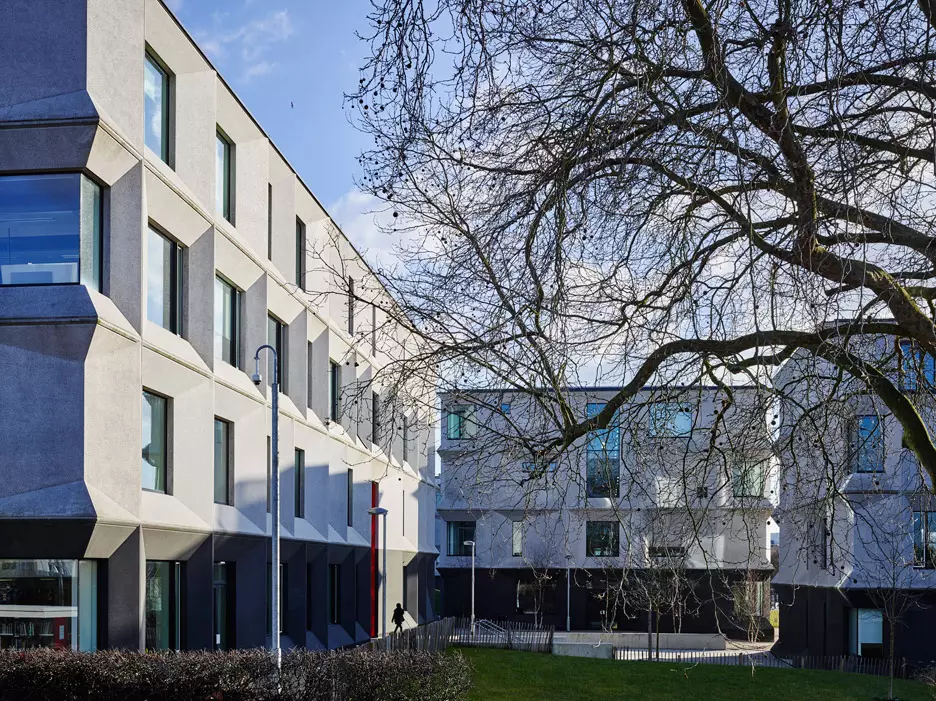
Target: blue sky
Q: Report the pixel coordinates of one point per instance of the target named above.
(304, 52)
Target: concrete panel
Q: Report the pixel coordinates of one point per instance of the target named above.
(46, 148)
(123, 601)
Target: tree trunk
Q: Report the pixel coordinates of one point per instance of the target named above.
(893, 634)
(650, 633)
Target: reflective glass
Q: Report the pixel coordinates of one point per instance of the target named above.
(156, 108)
(38, 604)
(154, 436)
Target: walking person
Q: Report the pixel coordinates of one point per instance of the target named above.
(397, 618)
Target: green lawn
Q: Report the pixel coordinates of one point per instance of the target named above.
(502, 675)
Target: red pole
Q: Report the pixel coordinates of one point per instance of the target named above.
(375, 498)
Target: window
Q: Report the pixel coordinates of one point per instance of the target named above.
(164, 282)
(51, 230)
(536, 598)
(48, 603)
(163, 611)
(405, 438)
(334, 390)
(222, 461)
(350, 306)
(916, 367)
(224, 176)
(300, 483)
(747, 479)
(223, 608)
(375, 417)
(671, 554)
(227, 322)
(269, 221)
(300, 254)
(505, 409)
(517, 538)
(669, 420)
(157, 108)
(459, 423)
(602, 539)
(457, 533)
(867, 444)
(276, 337)
(334, 594)
(532, 467)
(924, 539)
(602, 458)
(350, 497)
(155, 442)
(866, 632)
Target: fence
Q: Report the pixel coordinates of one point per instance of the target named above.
(431, 637)
(841, 663)
(509, 635)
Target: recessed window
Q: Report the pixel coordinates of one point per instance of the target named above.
(334, 390)
(155, 441)
(334, 593)
(747, 478)
(866, 632)
(916, 368)
(457, 534)
(602, 458)
(276, 337)
(222, 461)
(269, 221)
(300, 483)
(602, 539)
(227, 322)
(157, 108)
(924, 539)
(867, 444)
(405, 438)
(224, 176)
(505, 409)
(459, 423)
(164, 282)
(668, 420)
(517, 538)
(163, 610)
(350, 497)
(300, 254)
(375, 417)
(51, 230)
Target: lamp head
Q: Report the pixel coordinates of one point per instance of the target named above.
(256, 378)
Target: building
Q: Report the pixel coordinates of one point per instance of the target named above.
(857, 515)
(151, 239)
(666, 511)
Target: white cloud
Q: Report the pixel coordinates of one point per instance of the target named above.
(258, 69)
(249, 44)
(174, 5)
(361, 217)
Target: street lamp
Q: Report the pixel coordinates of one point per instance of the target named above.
(568, 592)
(472, 544)
(274, 502)
(380, 511)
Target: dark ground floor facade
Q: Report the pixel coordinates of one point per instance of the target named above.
(826, 621)
(81, 585)
(732, 603)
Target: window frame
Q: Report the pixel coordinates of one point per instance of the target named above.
(926, 529)
(167, 144)
(300, 254)
(229, 461)
(915, 363)
(334, 391)
(859, 448)
(612, 529)
(235, 320)
(279, 342)
(516, 538)
(176, 281)
(741, 472)
(466, 427)
(224, 185)
(334, 593)
(350, 505)
(351, 305)
(166, 443)
(299, 482)
(670, 430)
(460, 528)
(405, 431)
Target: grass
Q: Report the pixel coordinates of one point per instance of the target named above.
(502, 675)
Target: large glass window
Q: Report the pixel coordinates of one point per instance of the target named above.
(300, 254)
(916, 368)
(334, 593)
(517, 538)
(222, 461)
(163, 610)
(668, 419)
(157, 101)
(276, 337)
(866, 632)
(459, 423)
(747, 478)
(155, 441)
(39, 605)
(223, 607)
(602, 539)
(924, 539)
(867, 444)
(164, 282)
(50, 230)
(457, 533)
(300, 483)
(602, 458)
(227, 322)
(350, 497)
(224, 176)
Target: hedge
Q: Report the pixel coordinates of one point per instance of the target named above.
(359, 674)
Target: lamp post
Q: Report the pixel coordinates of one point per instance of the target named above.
(380, 511)
(568, 593)
(274, 502)
(472, 544)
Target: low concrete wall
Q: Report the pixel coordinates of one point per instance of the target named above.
(668, 641)
(602, 651)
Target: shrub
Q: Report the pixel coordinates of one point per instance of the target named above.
(247, 675)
